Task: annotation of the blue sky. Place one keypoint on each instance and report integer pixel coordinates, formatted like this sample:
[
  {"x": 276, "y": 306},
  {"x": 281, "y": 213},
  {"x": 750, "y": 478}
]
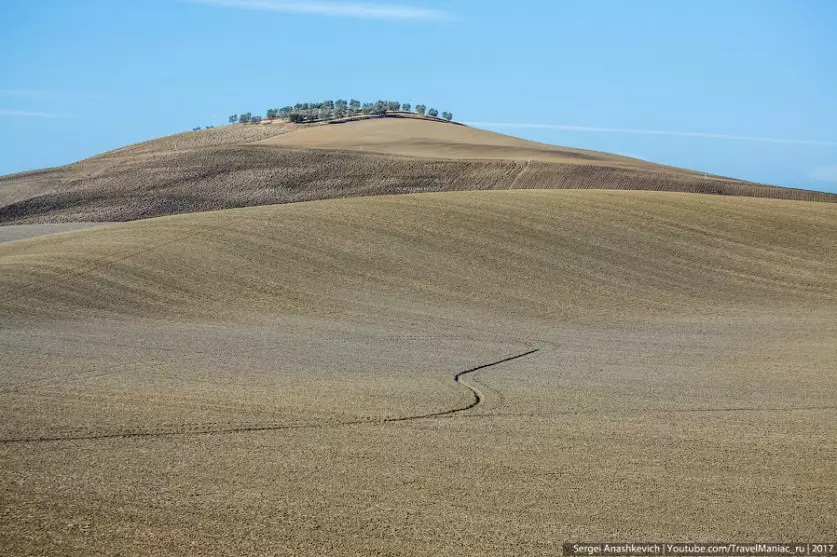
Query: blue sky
[{"x": 741, "y": 88}]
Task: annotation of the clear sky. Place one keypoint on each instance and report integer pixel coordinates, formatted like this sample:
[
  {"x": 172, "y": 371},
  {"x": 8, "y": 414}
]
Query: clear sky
[{"x": 741, "y": 88}]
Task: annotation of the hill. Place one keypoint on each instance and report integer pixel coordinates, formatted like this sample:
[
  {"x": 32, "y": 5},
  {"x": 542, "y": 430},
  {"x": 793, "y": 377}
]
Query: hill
[
  {"x": 269, "y": 163},
  {"x": 488, "y": 373},
  {"x": 540, "y": 252},
  {"x": 415, "y": 137}
]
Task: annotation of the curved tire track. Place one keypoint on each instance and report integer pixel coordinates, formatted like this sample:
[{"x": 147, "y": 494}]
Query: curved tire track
[{"x": 477, "y": 399}]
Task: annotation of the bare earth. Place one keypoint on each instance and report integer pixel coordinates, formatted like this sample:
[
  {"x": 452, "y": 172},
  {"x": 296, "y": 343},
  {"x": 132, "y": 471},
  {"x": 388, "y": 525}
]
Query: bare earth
[
  {"x": 248, "y": 165},
  {"x": 13, "y": 232},
  {"x": 357, "y": 376},
  {"x": 431, "y": 139}
]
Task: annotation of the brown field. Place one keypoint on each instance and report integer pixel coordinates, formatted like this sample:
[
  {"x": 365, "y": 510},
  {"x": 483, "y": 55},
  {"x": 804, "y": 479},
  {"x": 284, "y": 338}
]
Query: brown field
[
  {"x": 14, "y": 232},
  {"x": 431, "y": 139},
  {"x": 316, "y": 379},
  {"x": 248, "y": 165}
]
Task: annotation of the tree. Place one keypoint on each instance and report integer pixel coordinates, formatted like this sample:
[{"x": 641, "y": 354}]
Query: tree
[
  {"x": 196, "y": 129},
  {"x": 335, "y": 109}
]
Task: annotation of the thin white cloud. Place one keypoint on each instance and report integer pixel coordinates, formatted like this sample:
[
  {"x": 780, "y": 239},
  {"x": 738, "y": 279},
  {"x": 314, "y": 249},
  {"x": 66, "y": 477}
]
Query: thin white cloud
[
  {"x": 358, "y": 10},
  {"x": 704, "y": 135},
  {"x": 64, "y": 95},
  {"x": 25, "y": 92},
  {"x": 824, "y": 173},
  {"x": 28, "y": 114}
]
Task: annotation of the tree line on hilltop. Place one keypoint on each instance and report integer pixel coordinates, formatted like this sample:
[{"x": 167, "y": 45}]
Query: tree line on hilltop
[{"x": 335, "y": 110}]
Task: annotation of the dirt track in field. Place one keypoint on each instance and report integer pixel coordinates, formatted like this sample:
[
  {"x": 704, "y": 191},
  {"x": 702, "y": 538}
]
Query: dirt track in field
[{"x": 208, "y": 429}]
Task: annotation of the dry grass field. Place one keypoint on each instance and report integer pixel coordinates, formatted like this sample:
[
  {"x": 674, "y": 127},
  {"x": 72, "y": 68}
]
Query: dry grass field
[
  {"x": 476, "y": 373},
  {"x": 249, "y": 165}
]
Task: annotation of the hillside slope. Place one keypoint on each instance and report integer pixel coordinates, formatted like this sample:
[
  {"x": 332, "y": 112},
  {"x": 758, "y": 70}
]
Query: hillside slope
[
  {"x": 238, "y": 166},
  {"x": 541, "y": 253},
  {"x": 433, "y": 139},
  {"x": 421, "y": 375}
]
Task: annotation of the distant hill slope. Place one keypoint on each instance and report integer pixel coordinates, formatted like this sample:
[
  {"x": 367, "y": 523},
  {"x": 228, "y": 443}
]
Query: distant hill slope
[
  {"x": 431, "y": 139},
  {"x": 246, "y": 165}
]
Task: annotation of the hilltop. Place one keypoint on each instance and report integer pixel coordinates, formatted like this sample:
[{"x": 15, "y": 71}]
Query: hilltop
[{"x": 274, "y": 162}]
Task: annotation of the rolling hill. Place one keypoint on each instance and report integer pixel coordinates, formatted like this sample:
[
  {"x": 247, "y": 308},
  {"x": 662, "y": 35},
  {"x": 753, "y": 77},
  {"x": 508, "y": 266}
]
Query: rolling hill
[
  {"x": 543, "y": 252},
  {"x": 437, "y": 373},
  {"x": 247, "y": 165},
  {"x": 484, "y": 373}
]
